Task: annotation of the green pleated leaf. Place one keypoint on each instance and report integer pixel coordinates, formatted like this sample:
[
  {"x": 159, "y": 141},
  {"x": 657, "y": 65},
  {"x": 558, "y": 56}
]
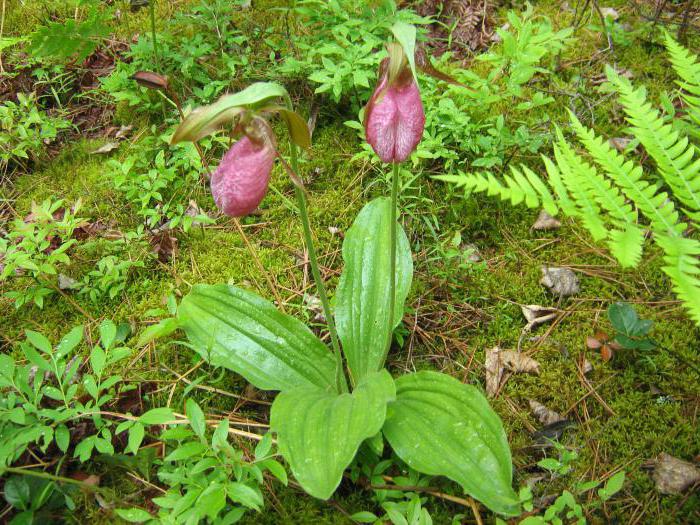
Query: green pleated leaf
[
  {"x": 440, "y": 426},
  {"x": 362, "y": 304},
  {"x": 319, "y": 432},
  {"x": 243, "y": 332}
]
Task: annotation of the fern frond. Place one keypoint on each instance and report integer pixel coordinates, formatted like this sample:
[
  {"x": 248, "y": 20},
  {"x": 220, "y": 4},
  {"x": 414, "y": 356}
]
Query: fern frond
[
  {"x": 607, "y": 195},
  {"x": 557, "y": 183},
  {"x": 574, "y": 179},
  {"x": 682, "y": 258},
  {"x": 687, "y": 67},
  {"x": 626, "y": 245},
  {"x": 522, "y": 187},
  {"x": 626, "y": 239},
  {"x": 674, "y": 154},
  {"x": 628, "y": 176}
]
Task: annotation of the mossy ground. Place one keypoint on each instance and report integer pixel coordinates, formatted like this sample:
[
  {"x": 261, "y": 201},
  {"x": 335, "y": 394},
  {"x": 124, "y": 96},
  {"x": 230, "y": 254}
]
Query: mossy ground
[{"x": 626, "y": 411}]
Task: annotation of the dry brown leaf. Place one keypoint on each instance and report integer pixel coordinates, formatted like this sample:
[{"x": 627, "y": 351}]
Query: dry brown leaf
[
  {"x": 67, "y": 283},
  {"x": 123, "y": 131},
  {"x": 498, "y": 360},
  {"x": 560, "y": 281},
  {"x": 673, "y": 475},
  {"x": 543, "y": 414},
  {"x": 545, "y": 221},
  {"x": 606, "y": 353},
  {"x": 164, "y": 245},
  {"x": 609, "y": 12},
  {"x": 620, "y": 143},
  {"x": 593, "y": 343},
  {"x": 536, "y": 314},
  {"x": 313, "y": 303},
  {"x": 494, "y": 371},
  {"x": 519, "y": 363},
  {"x": 586, "y": 367},
  {"x": 110, "y": 146}
]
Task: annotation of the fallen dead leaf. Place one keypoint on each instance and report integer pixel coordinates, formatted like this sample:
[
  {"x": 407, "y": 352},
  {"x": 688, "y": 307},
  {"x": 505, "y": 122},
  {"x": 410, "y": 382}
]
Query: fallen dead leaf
[
  {"x": 336, "y": 231},
  {"x": 545, "y": 221},
  {"x": 123, "y": 131},
  {"x": 494, "y": 371},
  {"x": 673, "y": 475},
  {"x": 164, "y": 245},
  {"x": 518, "y": 362},
  {"x": 560, "y": 281},
  {"x": 88, "y": 479},
  {"x": 103, "y": 150},
  {"x": 471, "y": 252},
  {"x": 498, "y": 360},
  {"x": 620, "y": 143},
  {"x": 543, "y": 414},
  {"x": 536, "y": 314},
  {"x": 609, "y": 12},
  {"x": 552, "y": 432},
  {"x": 313, "y": 303},
  {"x": 586, "y": 367},
  {"x": 66, "y": 283},
  {"x": 593, "y": 343}
]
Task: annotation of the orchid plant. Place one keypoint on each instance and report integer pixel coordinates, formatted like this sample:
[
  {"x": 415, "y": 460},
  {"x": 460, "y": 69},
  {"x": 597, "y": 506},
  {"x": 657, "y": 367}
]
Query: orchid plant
[{"x": 330, "y": 402}]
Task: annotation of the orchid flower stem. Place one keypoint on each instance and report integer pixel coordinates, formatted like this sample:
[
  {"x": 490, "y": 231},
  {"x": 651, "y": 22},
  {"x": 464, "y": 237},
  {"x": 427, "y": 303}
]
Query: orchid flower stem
[
  {"x": 320, "y": 287},
  {"x": 395, "y": 174},
  {"x": 152, "y": 9}
]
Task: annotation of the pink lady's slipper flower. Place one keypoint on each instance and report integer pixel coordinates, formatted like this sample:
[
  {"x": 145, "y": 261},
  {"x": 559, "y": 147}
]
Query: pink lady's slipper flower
[
  {"x": 240, "y": 182},
  {"x": 394, "y": 118}
]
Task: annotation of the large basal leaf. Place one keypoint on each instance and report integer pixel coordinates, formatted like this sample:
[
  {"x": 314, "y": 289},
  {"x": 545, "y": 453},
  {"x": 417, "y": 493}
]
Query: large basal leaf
[
  {"x": 362, "y": 297},
  {"x": 243, "y": 332},
  {"x": 319, "y": 432},
  {"x": 440, "y": 426}
]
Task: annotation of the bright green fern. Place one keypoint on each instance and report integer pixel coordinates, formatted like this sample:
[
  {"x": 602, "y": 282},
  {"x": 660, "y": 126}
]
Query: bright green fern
[
  {"x": 606, "y": 191},
  {"x": 687, "y": 67}
]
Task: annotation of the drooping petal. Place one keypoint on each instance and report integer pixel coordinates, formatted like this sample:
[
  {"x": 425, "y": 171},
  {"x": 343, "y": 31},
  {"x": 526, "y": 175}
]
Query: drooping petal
[
  {"x": 395, "y": 120},
  {"x": 240, "y": 182}
]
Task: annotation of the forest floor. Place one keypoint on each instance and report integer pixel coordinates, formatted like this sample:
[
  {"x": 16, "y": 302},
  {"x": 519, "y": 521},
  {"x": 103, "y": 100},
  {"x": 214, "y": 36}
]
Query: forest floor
[{"x": 477, "y": 262}]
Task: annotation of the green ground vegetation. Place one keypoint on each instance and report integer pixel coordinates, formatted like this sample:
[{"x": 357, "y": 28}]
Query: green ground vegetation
[{"x": 624, "y": 412}]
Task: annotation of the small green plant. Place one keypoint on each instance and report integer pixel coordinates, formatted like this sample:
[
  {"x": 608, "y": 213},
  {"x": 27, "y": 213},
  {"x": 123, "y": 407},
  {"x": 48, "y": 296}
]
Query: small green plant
[
  {"x": 24, "y": 131},
  {"x": 108, "y": 279},
  {"x": 73, "y": 38},
  {"x": 567, "y": 508},
  {"x": 159, "y": 190},
  {"x": 35, "y": 500},
  {"x": 208, "y": 479},
  {"x": 35, "y": 249},
  {"x": 631, "y": 332},
  {"x": 523, "y": 47},
  {"x": 561, "y": 466},
  {"x": 43, "y": 397},
  {"x": 339, "y": 53}
]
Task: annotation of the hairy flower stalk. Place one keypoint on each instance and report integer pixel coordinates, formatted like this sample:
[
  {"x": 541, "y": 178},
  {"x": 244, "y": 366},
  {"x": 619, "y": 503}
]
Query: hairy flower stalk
[
  {"x": 394, "y": 123},
  {"x": 240, "y": 182}
]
